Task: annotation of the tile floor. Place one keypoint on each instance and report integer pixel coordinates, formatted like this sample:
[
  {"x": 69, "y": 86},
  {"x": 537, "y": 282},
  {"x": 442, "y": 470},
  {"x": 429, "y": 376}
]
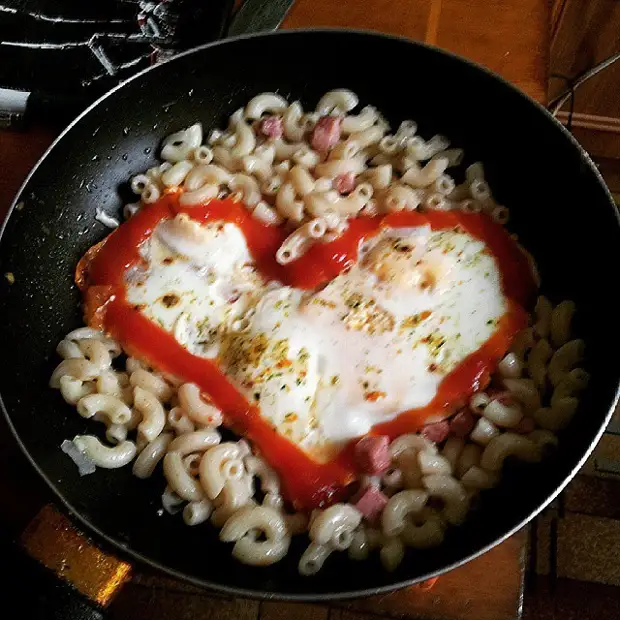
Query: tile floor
[{"x": 575, "y": 572}]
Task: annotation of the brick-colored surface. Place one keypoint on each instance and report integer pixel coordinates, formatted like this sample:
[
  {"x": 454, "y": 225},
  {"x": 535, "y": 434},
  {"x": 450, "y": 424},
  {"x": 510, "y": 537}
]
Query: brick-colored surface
[
  {"x": 594, "y": 496},
  {"x": 588, "y": 549},
  {"x": 410, "y": 20},
  {"x": 492, "y": 24},
  {"x": 161, "y": 582},
  {"x": 577, "y": 551},
  {"x": 604, "y": 462},
  {"x": 341, "y": 614},
  {"x": 485, "y": 31},
  {"x": 141, "y": 603},
  {"x": 566, "y": 599},
  {"x": 543, "y": 549},
  {"x": 293, "y": 611},
  {"x": 467, "y": 593}
]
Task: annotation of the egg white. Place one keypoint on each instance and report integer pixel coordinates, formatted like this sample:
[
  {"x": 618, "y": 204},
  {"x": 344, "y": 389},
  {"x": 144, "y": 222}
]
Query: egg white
[{"x": 325, "y": 366}]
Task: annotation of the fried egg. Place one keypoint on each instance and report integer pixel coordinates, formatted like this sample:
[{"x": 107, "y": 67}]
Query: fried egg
[
  {"x": 324, "y": 366},
  {"x": 195, "y": 280}
]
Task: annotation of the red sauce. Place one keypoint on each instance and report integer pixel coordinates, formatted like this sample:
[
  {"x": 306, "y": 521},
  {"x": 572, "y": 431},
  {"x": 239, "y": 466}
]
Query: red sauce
[
  {"x": 471, "y": 375},
  {"x": 100, "y": 274},
  {"x": 311, "y": 485},
  {"x": 324, "y": 261}
]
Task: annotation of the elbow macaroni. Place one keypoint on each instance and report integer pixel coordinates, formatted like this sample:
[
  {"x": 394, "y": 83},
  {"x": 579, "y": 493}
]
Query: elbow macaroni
[
  {"x": 240, "y": 528},
  {"x": 209, "y": 480},
  {"x": 398, "y": 509},
  {"x": 153, "y": 417},
  {"x": 104, "y": 456},
  {"x": 390, "y": 163},
  {"x": 220, "y": 464},
  {"x": 288, "y": 178}
]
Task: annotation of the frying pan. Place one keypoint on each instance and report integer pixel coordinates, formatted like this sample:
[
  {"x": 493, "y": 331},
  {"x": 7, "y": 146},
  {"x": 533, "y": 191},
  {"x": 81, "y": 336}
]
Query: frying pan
[{"x": 560, "y": 209}]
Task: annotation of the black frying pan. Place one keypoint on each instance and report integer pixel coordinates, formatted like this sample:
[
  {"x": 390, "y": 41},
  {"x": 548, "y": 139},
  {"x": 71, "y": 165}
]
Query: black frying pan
[{"x": 560, "y": 207}]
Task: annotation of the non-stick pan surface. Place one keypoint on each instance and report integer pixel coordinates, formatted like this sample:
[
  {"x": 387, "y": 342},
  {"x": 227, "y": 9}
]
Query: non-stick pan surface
[{"x": 560, "y": 210}]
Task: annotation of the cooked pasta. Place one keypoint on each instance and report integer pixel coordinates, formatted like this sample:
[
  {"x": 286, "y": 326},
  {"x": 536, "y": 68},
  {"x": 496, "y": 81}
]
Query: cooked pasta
[
  {"x": 240, "y": 528},
  {"x": 335, "y": 526},
  {"x": 151, "y": 411},
  {"x": 180, "y": 480},
  {"x": 113, "y": 408},
  {"x": 359, "y": 548},
  {"x": 271, "y": 130},
  {"x": 452, "y": 450},
  {"x": 468, "y": 458},
  {"x": 561, "y": 318},
  {"x": 537, "y": 361},
  {"x": 195, "y": 513},
  {"x": 392, "y": 553},
  {"x": 510, "y": 366},
  {"x": 151, "y": 455},
  {"x": 313, "y": 558},
  {"x": 508, "y": 444},
  {"x": 219, "y": 465},
  {"x": 484, "y": 431},
  {"x": 426, "y": 531},
  {"x": 564, "y": 360},
  {"x": 105, "y": 456},
  {"x": 314, "y": 175},
  {"x": 453, "y": 495},
  {"x": 505, "y": 415},
  {"x": 400, "y": 506}
]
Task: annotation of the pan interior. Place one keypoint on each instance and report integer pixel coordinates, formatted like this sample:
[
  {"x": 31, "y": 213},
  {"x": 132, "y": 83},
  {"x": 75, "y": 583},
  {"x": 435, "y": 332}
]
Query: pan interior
[{"x": 560, "y": 210}]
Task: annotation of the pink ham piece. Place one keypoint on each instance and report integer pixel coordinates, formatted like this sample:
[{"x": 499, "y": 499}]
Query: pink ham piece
[
  {"x": 271, "y": 127},
  {"x": 436, "y": 432},
  {"x": 372, "y": 455},
  {"x": 462, "y": 424},
  {"x": 503, "y": 396},
  {"x": 525, "y": 426},
  {"x": 371, "y": 502},
  {"x": 345, "y": 183},
  {"x": 326, "y": 133}
]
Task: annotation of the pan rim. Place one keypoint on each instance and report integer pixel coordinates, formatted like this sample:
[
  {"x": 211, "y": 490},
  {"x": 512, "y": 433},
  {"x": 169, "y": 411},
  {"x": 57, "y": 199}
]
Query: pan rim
[{"x": 124, "y": 548}]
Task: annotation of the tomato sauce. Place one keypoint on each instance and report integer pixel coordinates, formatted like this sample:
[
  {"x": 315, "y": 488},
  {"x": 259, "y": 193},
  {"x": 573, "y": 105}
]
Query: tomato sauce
[{"x": 308, "y": 484}]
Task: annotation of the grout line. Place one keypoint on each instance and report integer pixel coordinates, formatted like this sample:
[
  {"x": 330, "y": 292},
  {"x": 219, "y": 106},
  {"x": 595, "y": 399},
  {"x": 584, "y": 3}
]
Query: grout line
[
  {"x": 201, "y": 592},
  {"x": 530, "y": 571},
  {"x": 595, "y": 515},
  {"x": 432, "y": 25},
  {"x": 561, "y": 500},
  {"x": 363, "y": 612},
  {"x": 553, "y": 554}
]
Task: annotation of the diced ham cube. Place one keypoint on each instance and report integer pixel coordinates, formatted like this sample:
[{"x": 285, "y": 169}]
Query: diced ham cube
[
  {"x": 436, "y": 432},
  {"x": 371, "y": 503},
  {"x": 326, "y": 133},
  {"x": 372, "y": 454},
  {"x": 525, "y": 426},
  {"x": 503, "y": 396},
  {"x": 271, "y": 127},
  {"x": 345, "y": 183},
  {"x": 462, "y": 424}
]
